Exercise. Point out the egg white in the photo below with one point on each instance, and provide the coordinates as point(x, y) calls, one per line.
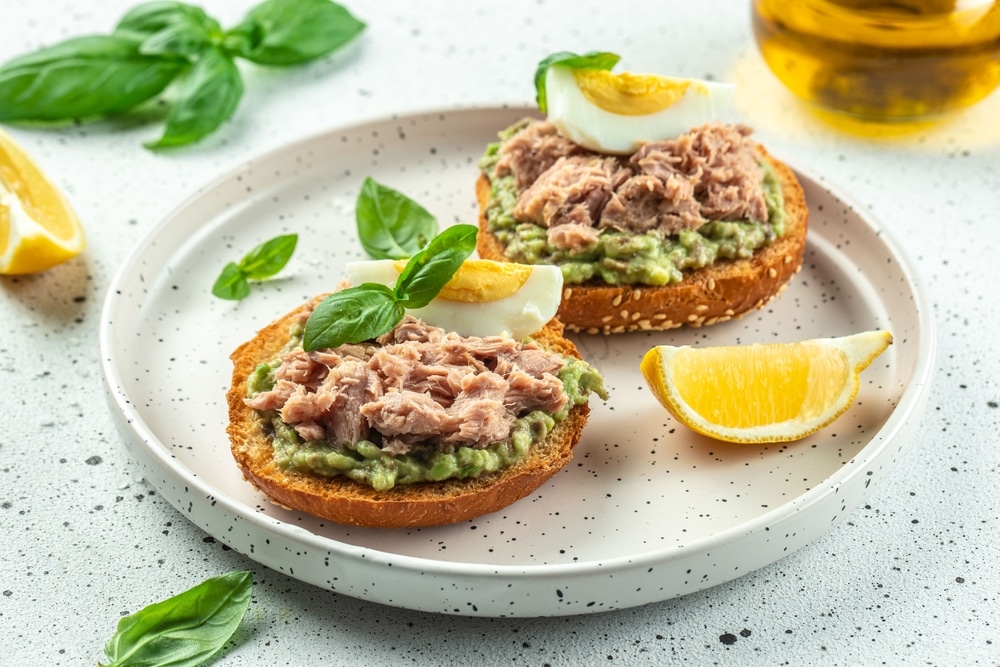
point(521, 314)
point(605, 132)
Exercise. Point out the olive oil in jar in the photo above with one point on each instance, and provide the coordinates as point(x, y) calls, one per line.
point(895, 60)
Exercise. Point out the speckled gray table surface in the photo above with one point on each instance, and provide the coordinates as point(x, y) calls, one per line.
point(910, 577)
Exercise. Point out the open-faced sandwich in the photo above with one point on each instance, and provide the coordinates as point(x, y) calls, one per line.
point(431, 391)
point(658, 214)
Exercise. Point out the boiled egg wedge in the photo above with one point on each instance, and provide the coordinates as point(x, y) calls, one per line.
point(617, 113)
point(484, 298)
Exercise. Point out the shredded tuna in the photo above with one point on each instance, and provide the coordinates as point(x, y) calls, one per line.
point(532, 151)
point(408, 413)
point(302, 369)
point(307, 406)
point(533, 360)
point(412, 329)
point(575, 237)
point(720, 162)
point(709, 173)
point(420, 385)
point(645, 203)
point(480, 410)
point(543, 393)
point(573, 190)
point(274, 399)
point(343, 421)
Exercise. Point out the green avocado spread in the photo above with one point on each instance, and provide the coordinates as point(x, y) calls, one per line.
point(625, 258)
point(365, 461)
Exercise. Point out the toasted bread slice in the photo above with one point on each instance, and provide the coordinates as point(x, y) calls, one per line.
point(411, 505)
point(724, 290)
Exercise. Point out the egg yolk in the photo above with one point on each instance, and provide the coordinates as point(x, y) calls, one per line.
point(630, 94)
point(480, 280)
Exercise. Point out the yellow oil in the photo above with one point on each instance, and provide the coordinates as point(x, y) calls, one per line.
point(902, 60)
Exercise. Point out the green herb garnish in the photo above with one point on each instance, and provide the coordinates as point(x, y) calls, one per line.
point(390, 224)
point(157, 44)
point(184, 630)
point(593, 60)
point(207, 96)
point(262, 262)
point(369, 310)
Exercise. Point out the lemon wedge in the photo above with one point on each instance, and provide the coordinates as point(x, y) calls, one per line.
point(774, 392)
point(38, 228)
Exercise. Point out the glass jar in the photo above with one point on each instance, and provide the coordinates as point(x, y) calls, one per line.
point(902, 60)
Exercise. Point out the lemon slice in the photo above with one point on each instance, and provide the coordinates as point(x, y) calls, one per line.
point(774, 392)
point(38, 228)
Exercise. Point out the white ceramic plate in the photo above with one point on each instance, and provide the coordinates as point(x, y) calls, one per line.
point(646, 511)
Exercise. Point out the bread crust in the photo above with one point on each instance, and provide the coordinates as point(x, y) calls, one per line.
point(722, 291)
point(404, 506)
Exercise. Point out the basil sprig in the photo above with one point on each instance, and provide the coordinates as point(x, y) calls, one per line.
point(592, 60)
point(264, 261)
point(369, 310)
point(160, 43)
point(390, 224)
point(184, 630)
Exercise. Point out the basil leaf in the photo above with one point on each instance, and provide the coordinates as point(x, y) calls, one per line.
point(369, 310)
point(352, 315)
point(265, 260)
point(83, 77)
point(431, 269)
point(186, 629)
point(231, 284)
point(180, 40)
point(170, 28)
point(150, 18)
point(269, 257)
point(390, 224)
point(592, 60)
point(207, 97)
point(290, 32)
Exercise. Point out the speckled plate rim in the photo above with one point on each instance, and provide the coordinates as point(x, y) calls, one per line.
point(908, 408)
